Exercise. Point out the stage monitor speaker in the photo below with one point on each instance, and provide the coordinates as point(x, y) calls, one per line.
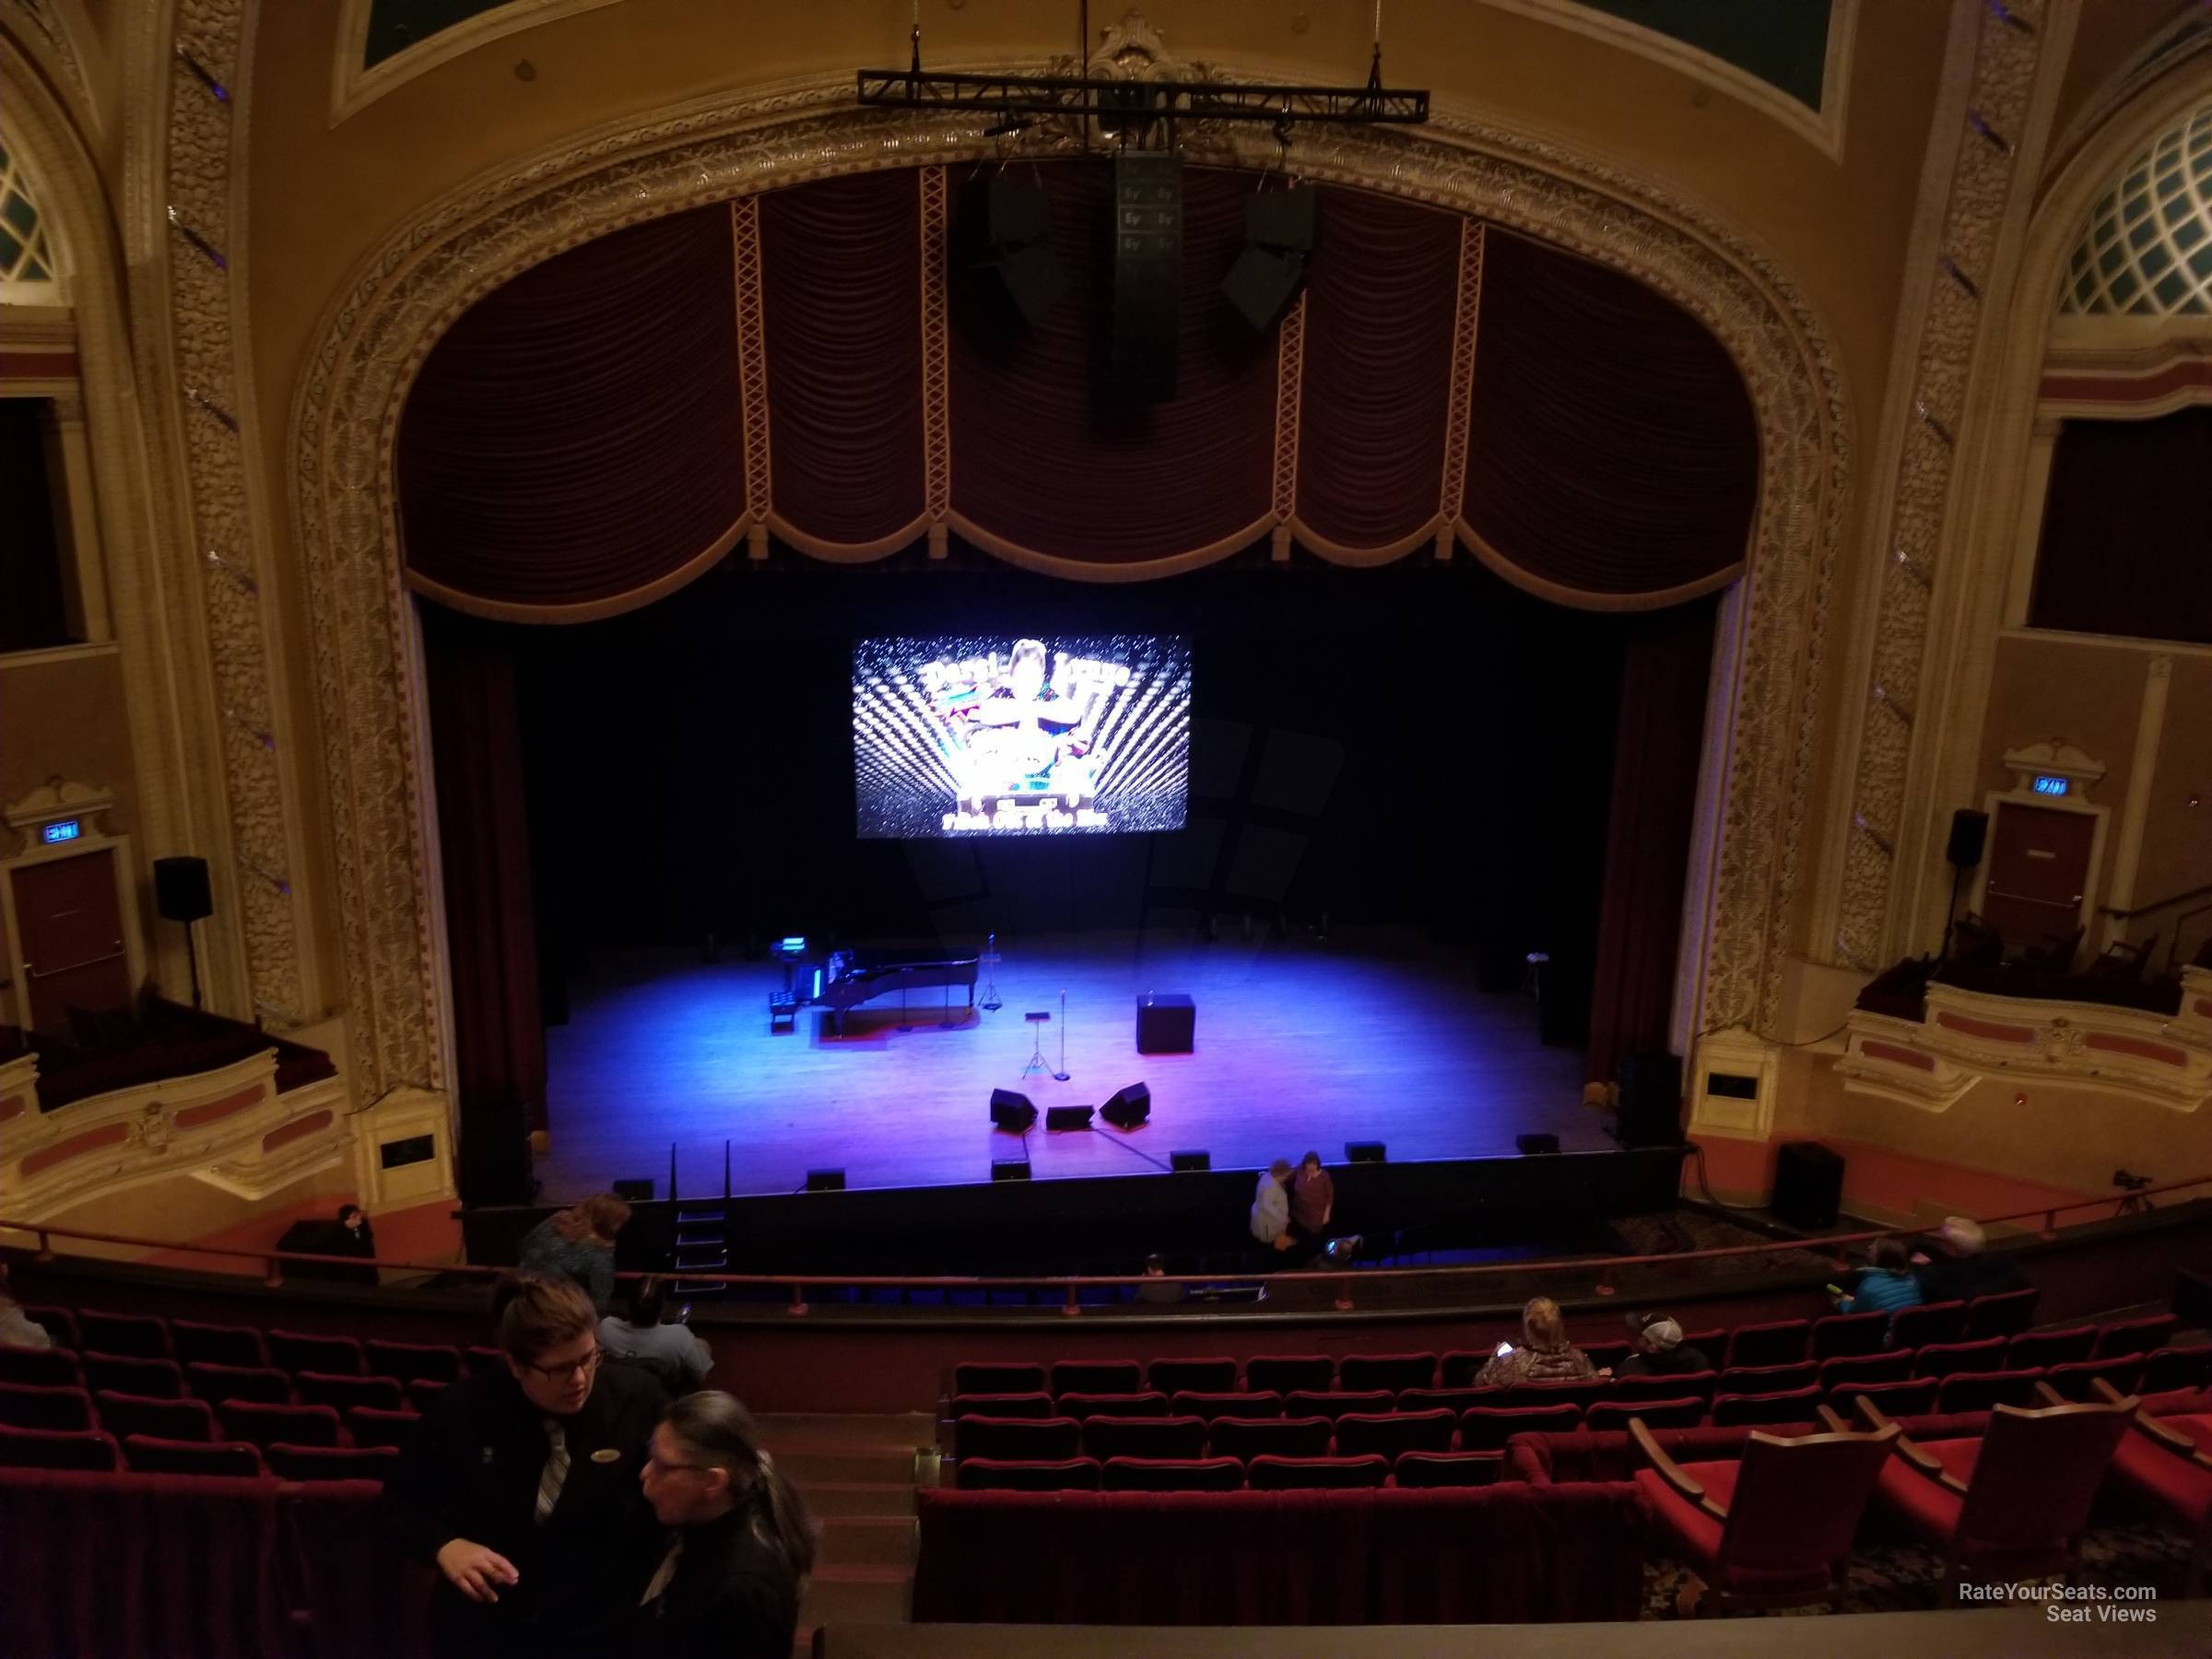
point(1011, 1110)
point(1128, 1107)
point(1530, 1145)
point(1187, 1161)
point(1262, 284)
point(1808, 1184)
point(1364, 1152)
point(1167, 1023)
point(1066, 1117)
point(632, 1191)
point(1651, 1099)
point(825, 1180)
point(1970, 829)
point(1009, 1169)
point(181, 889)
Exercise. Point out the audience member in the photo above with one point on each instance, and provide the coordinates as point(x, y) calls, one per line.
point(730, 1584)
point(357, 1235)
point(522, 1486)
point(1955, 1267)
point(1660, 1351)
point(1158, 1287)
point(579, 1244)
point(1545, 1356)
point(1271, 1207)
point(674, 1353)
point(1312, 1201)
point(1886, 1286)
point(18, 1329)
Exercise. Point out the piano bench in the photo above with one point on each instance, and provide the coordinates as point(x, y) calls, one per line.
point(783, 1011)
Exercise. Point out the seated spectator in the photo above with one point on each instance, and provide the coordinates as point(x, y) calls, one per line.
point(1889, 1284)
point(18, 1329)
point(579, 1244)
point(1545, 1356)
point(1157, 1286)
point(1660, 1351)
point(355, 1236)
point(673, 1352)
point(1954, 1267)
point(1271, 1207)
point(1313, 1202)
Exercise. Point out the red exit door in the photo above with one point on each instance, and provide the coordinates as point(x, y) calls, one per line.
point(2039, 868)
point(71, 927)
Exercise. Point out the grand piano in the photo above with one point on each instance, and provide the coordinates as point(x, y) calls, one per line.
point(849, 980)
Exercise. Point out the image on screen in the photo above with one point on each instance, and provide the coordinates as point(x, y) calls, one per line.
point(1021, 735)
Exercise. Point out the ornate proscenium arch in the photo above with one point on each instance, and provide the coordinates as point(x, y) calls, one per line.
point(374, 341)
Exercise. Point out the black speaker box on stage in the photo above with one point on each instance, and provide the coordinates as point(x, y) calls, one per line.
point(1651, 1099)
point(1167, 1023)
point(1009, 1169)
point(825, 1180)
point(1128, 1107)
point(180, 892)
point(1530, 1145)
point(632, 1191)
point(1970, 829)
point(1068, 1117)
point(1188, 1161)
point(1364, 1152)
point(1808, 1184)
point(1011, 1110)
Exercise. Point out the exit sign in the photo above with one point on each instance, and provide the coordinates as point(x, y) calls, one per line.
point(2045, 785)
point(67, 830)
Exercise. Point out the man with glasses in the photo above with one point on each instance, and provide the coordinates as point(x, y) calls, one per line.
point(522, 1486)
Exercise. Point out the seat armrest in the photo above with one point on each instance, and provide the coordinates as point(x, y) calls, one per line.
point(1670, 1471)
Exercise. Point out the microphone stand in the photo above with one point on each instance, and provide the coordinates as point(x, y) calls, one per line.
point(1061, 1076)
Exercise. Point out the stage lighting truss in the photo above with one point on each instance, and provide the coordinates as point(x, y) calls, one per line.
point(1130, 108)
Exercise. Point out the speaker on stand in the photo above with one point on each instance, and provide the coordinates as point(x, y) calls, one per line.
point(182, 894)
point(1970, 833)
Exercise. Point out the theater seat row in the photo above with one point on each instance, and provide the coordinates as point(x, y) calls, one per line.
point(1264, 1473)
point(98, 1450)
point(152, 1336)
point(73, 1410)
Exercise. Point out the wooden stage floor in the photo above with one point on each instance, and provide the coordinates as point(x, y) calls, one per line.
point(1299, 1045)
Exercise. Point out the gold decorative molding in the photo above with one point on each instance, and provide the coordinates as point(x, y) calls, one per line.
point(1459, 406)
point(376, 334)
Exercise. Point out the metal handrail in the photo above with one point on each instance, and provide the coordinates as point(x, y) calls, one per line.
point(799, 1283)
point(2144, 910)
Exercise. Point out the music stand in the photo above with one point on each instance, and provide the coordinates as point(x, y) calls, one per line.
point(1037, 1060)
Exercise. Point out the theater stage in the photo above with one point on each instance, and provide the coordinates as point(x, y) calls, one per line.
point(1300, 1044)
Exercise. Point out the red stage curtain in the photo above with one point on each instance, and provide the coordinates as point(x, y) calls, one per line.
point(1044, 459)
point(1666, 663)
point(1377, 386)
point(578, 435)
point(1612, 446)
point(484, 836)
point(841, 277)
point(2127, 543)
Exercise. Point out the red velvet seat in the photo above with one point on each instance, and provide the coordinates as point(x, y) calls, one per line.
point(2172, 1369)
point(1784, 1407)
point(1893, 1367)
point(267, 1426)
point(1488, 1427)
point(1930, 1322)
point(1915, 1397)
point(1097, 1376)
point(69, 1409)
point(59, 1323)
point(2033, 1350)
point(59, 1448)
point(149, 1454)
point(990, 1475)
point(2007, 1313)
point(1284, 1372)
point(297, 1352)
point(1587, 1392)
point(370, 1426)
point(124, 1373)
point(480, 1362)
point(1682, 1385)
point(142, 1335)
point(1779, 1342)
point(1140, 1402)
point(2166, 1465)
point(1292, 1474)
point(1247, 1438)
point(1105, 1437)
point(1016, 1440)
point(2012, 1504)
point(122, 1415)
point(1454, 1400)
point(2136, 1335)
point(1190, 1403)
point(40, 1368)
point(409, 1362)
point(1171, 1475)
point(1334, 1402)
point(1459, 1368)
point(1774, 1528)
point(1386, 1434)
point(1006, 1405)
point(217, 1344)
point(1839, 1335)
point(1612, 1416)
point(320, 1388)
point(219, 1384)
point(423, 1394)
point(1356, 1373)
point(1941, 1360)
point(1979, 1391)
point(330, 1463)
point(1605, 1355)
point(2080, 1382)
point(1767, 1379)
point(993, 1377)
point(1210, 1375)
point(1448, 1468)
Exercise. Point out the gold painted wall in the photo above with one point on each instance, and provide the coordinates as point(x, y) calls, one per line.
point(66, 718)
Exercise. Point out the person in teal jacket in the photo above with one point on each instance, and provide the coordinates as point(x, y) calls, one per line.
point(1887, 1286)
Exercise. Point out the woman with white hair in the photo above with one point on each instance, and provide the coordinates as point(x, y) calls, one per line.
point(1955, 1265)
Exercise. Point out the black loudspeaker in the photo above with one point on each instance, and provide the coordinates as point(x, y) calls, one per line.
point(1167, 1023)
point(1363, 1152)
point(1283, 219)
point(1970, 829)
point(1808, 1184)
point(1002, 239)
point(1651, 1099)
point(632, 1191)
point(1011, 1110)
point(495, 1152)
point(825, 1180)
point(1147, 272)
point(1262, 284)
point(1129, 1107)
point(1068, 1117)
point(181, 889)
point(1188, 1160)
point(1009, 1169)
point(1530, 1145)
